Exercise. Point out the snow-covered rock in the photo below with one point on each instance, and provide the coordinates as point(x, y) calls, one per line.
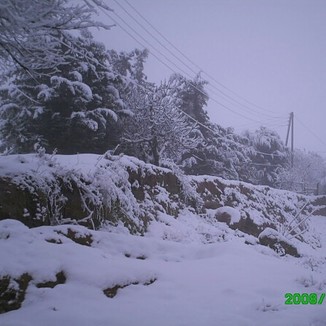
point(227, 214)
point(273, 239)
point(88, 189)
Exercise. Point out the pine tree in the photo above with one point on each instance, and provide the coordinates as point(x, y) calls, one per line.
point(76, 109)
point(269, 157)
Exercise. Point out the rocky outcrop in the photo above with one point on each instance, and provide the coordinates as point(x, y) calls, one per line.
point(17, 202)
point(12, 291)
point(259, 206)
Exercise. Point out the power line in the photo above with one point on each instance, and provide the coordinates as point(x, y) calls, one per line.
point(262, 164)
point(182, 61)
point(167, 65)
point(310, 131)
point(262, 110)
point(266, 123)
point(149, 44)
point(269, 154)
point(154, 37)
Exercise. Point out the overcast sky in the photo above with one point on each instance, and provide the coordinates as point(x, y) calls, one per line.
point(270, 52)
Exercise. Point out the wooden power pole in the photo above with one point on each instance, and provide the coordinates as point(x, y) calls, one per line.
point(291, 127)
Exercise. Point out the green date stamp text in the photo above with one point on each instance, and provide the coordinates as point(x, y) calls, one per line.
point(304, 298)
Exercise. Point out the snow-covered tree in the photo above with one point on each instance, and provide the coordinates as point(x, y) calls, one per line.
point(74, 110)
point(225, 154)
point(269, 156)
point(193, 98)
point(130, 64)
point(158, 129)
point(308, 170)
point(222, 152)
point(31, 31)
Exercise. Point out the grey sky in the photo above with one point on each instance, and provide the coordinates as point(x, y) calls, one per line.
point(271, 52)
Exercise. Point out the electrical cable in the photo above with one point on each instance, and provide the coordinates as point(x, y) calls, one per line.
point(229, 98)
point(262, 110)
point(167, 65)
point(199, 90)
point(310, 131)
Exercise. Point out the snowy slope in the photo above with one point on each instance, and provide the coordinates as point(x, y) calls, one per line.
point(180, 282)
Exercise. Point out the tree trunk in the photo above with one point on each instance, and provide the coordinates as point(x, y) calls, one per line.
point(156, 156)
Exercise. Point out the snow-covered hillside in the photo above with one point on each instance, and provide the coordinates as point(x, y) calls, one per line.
point(167, 250)
point(93, 190)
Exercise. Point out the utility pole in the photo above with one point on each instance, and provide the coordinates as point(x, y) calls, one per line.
point(291, 127)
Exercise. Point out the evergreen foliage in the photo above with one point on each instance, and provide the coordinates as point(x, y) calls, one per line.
point(269, 157)
point(77, 109)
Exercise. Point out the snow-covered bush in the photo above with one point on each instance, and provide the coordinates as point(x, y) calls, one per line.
point(188, 189)
point(158, 130)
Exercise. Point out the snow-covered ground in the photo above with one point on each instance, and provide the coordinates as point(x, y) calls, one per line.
point(181, 279)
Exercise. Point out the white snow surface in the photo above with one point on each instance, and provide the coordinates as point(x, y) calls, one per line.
point(205, 273)
point(17, 164)
point(225, 282)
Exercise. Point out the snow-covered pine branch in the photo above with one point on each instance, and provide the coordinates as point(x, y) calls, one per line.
point(75, 109)
point(31, 31)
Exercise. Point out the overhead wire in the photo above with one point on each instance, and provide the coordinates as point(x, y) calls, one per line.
point(262, 164)
point(261, 110)
point(173, 70)
point(214, 89)
point(310, 131)
point(166, 64)
point(266, 123)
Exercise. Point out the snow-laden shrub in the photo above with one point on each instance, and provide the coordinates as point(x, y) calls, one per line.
point(61, 193)
point(111, 181)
